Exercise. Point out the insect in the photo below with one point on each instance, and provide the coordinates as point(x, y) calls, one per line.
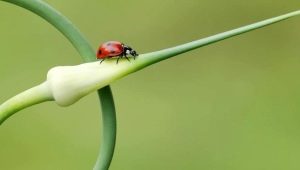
point(112, 49)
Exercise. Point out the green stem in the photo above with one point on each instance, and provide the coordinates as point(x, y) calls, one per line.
point(109, 129)
point(88, 54)
point(151, 58)
point(35, 95)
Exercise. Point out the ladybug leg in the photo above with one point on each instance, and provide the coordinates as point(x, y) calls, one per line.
point(127, 58)
point(118, 59)
point(125, 55)
point(102, 60)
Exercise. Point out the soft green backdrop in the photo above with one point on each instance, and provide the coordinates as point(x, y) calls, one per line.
point(234, 105)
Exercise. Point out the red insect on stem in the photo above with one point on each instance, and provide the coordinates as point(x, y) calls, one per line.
point(112, 49)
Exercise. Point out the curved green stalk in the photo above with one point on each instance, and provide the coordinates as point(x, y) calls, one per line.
point(35, 95)
point(113, 72)
point(109, 129)
point(87, 53)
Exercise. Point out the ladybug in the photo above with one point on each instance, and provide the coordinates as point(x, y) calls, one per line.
point(112, 49)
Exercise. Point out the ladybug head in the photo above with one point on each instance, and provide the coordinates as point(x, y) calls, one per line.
point(133, 53)
point(129, 50)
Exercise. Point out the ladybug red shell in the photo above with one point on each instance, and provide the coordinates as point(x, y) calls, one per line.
point(112, 49)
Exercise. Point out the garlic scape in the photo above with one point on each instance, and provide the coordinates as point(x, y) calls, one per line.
point(70, 83)
point(34, 95)
point(67, 84)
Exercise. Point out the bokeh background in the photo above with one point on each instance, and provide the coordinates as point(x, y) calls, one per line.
point(233, 105)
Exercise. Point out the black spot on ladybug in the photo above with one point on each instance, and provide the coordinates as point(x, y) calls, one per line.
point(99, 52)
point(112, 52)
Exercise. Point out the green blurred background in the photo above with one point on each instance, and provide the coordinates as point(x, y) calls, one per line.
point(233, 105)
